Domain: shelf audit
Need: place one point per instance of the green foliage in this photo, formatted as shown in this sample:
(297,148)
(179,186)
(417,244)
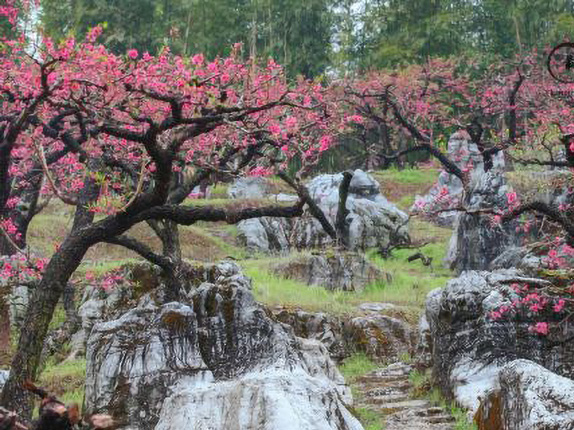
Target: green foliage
(377,34)
(295,33)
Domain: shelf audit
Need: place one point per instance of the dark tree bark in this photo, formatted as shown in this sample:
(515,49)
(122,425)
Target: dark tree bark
(5,335)
(314,209)
(342,211)
(168,232)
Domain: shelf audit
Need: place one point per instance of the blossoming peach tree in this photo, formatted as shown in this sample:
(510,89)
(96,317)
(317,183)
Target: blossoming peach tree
(514,107)
(127,138)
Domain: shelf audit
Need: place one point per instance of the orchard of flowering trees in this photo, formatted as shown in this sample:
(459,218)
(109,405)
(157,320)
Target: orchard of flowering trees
(125,138)
(110,134)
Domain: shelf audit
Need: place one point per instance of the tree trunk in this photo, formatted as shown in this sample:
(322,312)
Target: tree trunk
(168,232)
(5,338)
(41,308)
(342,211)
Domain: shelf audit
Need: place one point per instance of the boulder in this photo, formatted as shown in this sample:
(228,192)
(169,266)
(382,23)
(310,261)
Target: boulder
(332,271)
(253,187)
(447,192)
(372,220)
(477,241)
(469,348)
(215,361)
(384,338)
(528,397)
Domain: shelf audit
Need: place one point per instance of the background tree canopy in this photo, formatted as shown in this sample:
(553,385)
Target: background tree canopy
(310,37)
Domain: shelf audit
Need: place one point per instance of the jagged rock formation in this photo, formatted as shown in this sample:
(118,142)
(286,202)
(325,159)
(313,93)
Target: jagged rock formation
(469,348)
(381,337)
(372,220)
(97,304)
(340,271)
(477,240)
(447,192)
(388,391)
(529,397)
(215,361)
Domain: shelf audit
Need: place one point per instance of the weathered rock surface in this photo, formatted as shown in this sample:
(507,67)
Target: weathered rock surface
(3,378)
(381,337)
(517,257)
(18,303)
(254,187)
(98,304)
(372,220)
(341,271)
(477,240)
(215,361)
(447,192)
(469,348)
(529,397)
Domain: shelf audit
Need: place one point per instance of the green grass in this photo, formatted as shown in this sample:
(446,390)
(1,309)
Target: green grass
(371,420)
(410,284)
(459,414)
(356,366)
(66,380)
(407,176)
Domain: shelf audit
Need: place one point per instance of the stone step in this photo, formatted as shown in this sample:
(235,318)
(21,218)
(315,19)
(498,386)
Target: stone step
(418,426)
(381,379)
(389,398)
(385,390)
(440,419)
(433,410)
(389,408)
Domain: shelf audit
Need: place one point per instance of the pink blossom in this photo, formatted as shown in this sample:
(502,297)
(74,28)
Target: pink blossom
(133,54)
(325,142)
(275,129)
(512,198)
(198,59)
(356,118)
(559,306)
(540,328)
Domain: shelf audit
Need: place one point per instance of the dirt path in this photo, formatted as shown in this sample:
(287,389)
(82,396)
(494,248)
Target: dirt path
(388,391)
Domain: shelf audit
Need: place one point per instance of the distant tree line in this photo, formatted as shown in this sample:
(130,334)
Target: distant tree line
(310,37)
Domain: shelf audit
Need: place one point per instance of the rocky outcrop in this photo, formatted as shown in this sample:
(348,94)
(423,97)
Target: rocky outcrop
(332,271)
(528,397)
(378,331)
(447,192)
(253,187)
(372,220)
(469,348)
(214,361)
(477,240)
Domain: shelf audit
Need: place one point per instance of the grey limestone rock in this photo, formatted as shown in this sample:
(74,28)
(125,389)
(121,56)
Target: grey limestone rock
(216,361)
